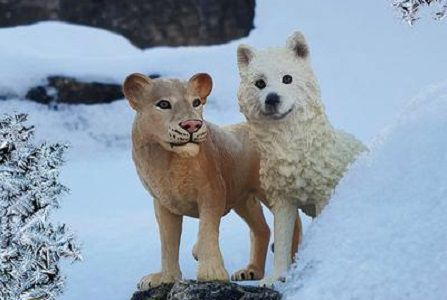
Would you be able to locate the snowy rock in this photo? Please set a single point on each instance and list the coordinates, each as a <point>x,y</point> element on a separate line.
<point>61,89</point>
<point>144,23</point>
<point>193,290</point>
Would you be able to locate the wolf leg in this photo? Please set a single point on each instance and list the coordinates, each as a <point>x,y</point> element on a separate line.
<point>285,214</point>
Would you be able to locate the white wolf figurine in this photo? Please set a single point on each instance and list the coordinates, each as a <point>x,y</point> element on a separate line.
<point>302,156</point>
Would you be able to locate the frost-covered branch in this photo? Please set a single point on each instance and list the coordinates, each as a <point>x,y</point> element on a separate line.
<point>30,244</point>
<point>409,9</point>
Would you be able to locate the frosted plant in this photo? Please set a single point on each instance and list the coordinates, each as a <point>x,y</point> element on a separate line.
<point>31,246</point>
<point>409,9</point>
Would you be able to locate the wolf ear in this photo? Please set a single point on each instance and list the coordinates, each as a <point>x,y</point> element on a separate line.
<point>202,84</point>
<point>297,43</point>
<point>245,55</point>
<point>134,87</point>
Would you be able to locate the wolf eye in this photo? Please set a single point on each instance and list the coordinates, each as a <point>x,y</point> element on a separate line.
<point>287,79</point>
<point>260,84</point>
<point>196,102</point>
<point>164,104</point>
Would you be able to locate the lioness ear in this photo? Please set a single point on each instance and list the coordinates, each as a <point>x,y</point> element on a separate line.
<point>297,43</point>
<point>245,55</point>
<point>134,87</point>
<point>202,84</point>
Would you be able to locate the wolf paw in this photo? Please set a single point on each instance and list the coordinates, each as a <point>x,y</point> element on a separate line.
<point>249,273</point>
<point>156,279</point>
<point>212,270</point>
<point>270,281</point>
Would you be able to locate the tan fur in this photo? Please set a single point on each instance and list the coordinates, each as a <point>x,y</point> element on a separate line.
<point>204,179</point>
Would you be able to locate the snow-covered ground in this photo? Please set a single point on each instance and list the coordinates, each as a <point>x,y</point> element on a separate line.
<point>368,63</point>
<point>383,235</point>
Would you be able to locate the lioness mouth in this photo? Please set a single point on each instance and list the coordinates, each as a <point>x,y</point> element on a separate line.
<point>182,144</point>
<point>191,141</point>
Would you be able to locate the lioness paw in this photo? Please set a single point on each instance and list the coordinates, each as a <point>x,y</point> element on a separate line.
<point>156,279</point>
<point>249,273</point>
<point>212,270</point>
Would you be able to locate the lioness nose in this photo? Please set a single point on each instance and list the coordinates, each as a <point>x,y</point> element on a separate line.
<point>272,99</point>
<point>191,125</point>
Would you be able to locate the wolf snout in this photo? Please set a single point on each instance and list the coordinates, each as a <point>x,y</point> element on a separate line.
<point>191,125</point>
<point>272,100</point>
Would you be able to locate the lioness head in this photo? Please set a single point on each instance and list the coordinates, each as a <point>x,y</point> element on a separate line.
<point>277,83</point>
<point>169,111</point>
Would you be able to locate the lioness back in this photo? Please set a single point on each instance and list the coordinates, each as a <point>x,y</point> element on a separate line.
<point>238,160</point>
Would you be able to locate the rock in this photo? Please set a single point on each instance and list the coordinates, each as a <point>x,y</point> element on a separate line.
<point>158,293</point>
<point>61,89</point>
<point>190,290</point>
<point>193,290</point>
<point>144,23</point>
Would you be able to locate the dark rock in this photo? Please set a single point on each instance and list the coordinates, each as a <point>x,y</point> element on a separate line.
<point>40,94</point>
<point>193,290</point>
<point>158,293</point>
<point>61,89</point>
<point>144,23</point>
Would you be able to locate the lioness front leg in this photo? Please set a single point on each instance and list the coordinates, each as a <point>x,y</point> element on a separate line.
<point>170,227</point>
<point>211,265</point>
<point>285,214</point>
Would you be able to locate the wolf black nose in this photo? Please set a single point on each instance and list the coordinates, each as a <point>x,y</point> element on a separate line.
<point>272,99</point>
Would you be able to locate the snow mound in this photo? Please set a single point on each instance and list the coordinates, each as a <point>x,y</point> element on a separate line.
<point>55,39</point>
<point>55,48</point>
<point>383,235</point>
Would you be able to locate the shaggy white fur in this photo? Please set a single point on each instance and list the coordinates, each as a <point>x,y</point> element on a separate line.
<point>302,156</point>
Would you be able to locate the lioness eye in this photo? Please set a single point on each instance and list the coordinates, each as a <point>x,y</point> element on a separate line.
<point>287,79</point>
<point>164,104</point>
<point>260,84</point>
<point>196,102</point>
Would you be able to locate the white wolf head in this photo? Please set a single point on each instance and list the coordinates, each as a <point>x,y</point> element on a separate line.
<point>277,83</point>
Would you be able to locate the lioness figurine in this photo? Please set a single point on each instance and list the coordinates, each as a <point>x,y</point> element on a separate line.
<point>194,168</point>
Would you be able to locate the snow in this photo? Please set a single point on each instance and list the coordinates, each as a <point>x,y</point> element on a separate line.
<point>383,234</point>
<point>368,64</point>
